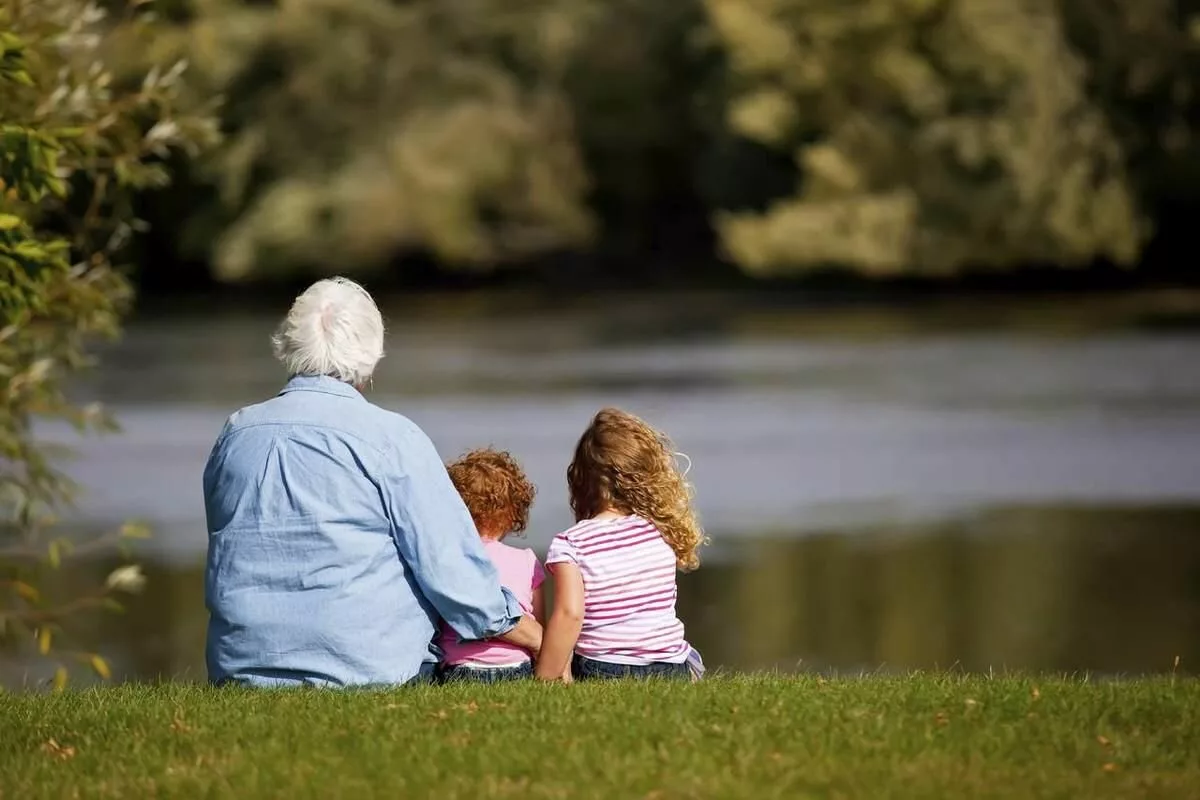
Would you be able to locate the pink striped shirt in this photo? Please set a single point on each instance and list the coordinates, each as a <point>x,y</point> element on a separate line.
<point>629,590</point>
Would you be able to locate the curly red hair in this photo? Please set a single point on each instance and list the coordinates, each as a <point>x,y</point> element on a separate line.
<point>495,490</point>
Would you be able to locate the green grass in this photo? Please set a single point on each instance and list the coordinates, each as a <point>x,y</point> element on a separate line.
<point>919,736</point>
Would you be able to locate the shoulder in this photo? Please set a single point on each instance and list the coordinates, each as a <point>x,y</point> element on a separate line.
<point>370,428</point>
<point>512,551</point>
<point>405,442</point>
<point>401,429</point>
<point>571,544</point>
<point>591,529</point>
<point>530,557</point>
<point>522,555</point>
<point>583,530</point>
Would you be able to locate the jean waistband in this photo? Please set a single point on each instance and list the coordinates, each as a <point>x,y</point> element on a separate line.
<point>506,665</point>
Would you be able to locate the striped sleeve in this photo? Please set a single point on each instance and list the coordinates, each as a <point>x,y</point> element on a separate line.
<point>562,551</point>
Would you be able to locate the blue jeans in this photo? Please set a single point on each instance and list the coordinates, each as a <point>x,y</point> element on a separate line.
<point>425,676</point>
<point>584,669</point>
<point>456,673</point>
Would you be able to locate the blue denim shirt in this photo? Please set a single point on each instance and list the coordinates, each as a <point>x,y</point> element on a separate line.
<point>335,542</point>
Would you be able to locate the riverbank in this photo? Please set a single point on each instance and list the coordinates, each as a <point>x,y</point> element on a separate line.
<point>918,736</point>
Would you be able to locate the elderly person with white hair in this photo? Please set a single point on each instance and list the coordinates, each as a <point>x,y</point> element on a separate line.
<point>336,539</point>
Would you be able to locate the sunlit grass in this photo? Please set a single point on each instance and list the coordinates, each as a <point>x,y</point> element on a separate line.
<point>919,736</point>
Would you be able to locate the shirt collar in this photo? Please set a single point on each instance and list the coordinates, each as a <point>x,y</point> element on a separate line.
<point>323,384</point>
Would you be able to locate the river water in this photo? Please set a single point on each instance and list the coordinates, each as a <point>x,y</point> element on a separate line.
<point>983,485</point>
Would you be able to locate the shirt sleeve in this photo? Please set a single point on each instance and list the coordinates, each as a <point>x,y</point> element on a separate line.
<point>562,551</point>
<point>539,572</point>
<point>439,544</point>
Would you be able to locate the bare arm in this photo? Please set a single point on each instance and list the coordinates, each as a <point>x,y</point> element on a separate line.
<point>526,634</point>
<point>562,631</point>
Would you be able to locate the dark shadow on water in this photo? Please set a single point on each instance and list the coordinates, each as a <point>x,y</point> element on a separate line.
<point>1104,590</point>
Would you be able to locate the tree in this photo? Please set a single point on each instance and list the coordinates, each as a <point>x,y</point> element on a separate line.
<point>930,137</point>
<point>1144,72</point>
<point>363,129</point>
<point>926,137</point>
<point>75,140</point>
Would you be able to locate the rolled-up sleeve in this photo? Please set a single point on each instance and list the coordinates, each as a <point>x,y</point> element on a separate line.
<point>439,544</point>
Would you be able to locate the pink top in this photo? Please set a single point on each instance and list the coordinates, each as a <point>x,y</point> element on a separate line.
<point>521,573</point>
<point>629,591</point>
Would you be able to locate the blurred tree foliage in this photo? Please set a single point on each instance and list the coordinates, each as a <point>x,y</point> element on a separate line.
<point>1144,72</point>
<point>889,136</point>
<point>75,142</point>
<point>929,134</point>
<point>363,128</point>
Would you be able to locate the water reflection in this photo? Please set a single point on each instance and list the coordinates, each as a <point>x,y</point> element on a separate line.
<point>1101,589</point>
<point>1113,590</point>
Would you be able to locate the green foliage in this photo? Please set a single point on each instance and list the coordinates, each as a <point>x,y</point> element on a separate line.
<point>361,129</point>
<point>931,135</point>
<point>1144,72</point>
<point>924,735</point>
<point>74,143</point>
<point>908,136</point>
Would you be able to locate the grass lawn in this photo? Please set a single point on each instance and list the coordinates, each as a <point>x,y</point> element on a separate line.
<point>918,736</point>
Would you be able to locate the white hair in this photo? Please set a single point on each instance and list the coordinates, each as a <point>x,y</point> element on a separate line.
<point>334,328</point>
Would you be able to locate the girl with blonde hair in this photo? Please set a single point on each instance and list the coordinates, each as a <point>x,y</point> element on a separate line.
<point>614,570</point>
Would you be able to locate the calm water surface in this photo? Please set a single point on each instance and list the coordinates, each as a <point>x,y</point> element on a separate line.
<point>991,487</point>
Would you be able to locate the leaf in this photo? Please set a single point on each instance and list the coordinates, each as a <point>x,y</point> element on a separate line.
<point>26,591</point>
<point>55,555</point>
<point>9,222</point>
<point>60,679</point>
<point>101,667</point>
<point>59,750</point>
<point>128,578</point>
<point>135,530</point>
<point>113,606</point>
<point>45,638</point>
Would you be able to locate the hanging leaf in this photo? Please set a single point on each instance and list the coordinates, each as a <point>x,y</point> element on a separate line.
<point>134,530</point>
<point>113,606</point>
<point>66,117</point>
<point>100,666</point>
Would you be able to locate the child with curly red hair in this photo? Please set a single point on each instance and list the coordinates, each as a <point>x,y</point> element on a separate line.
<point>498,495</point>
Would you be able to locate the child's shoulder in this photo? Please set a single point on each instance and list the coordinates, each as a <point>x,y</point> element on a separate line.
<point>509,549</point>
<point>578,529</point>
<point>589,528</point>
<point>516,553</point>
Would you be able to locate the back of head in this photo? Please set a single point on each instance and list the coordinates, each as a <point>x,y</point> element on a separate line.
<point>495,491</point>
<point>333,328</point>
<point>622,463</point>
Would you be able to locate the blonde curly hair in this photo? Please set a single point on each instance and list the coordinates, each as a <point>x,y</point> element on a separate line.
<point>622,463</point>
